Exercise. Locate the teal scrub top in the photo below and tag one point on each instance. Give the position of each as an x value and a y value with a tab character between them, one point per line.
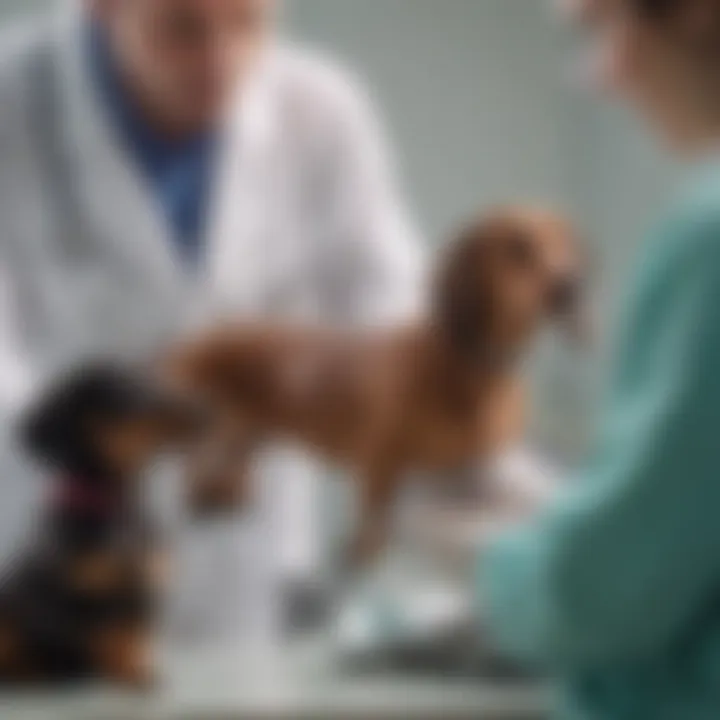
617	588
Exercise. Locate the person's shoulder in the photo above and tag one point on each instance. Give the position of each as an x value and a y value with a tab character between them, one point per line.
682	249
322	85
21	43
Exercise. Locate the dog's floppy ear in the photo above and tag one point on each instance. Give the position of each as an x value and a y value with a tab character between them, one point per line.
462	309
50	430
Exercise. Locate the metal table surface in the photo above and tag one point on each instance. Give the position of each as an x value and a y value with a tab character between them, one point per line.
301	684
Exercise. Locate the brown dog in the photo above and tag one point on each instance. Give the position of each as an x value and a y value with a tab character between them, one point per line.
435	396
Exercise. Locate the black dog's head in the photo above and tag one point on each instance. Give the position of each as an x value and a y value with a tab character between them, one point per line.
106	421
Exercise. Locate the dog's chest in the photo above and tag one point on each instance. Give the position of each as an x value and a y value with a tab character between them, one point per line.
442	442
125	532
447	433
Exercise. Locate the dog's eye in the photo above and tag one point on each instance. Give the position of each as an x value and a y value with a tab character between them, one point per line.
521	251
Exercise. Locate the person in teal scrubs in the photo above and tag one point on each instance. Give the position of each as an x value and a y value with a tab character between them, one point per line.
616	588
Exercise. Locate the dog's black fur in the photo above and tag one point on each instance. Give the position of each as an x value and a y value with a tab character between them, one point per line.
78	602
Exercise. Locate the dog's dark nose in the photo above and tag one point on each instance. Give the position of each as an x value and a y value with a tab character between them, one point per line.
564	294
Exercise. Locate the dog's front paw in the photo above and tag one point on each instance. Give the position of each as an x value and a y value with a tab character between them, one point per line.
124	658
142	678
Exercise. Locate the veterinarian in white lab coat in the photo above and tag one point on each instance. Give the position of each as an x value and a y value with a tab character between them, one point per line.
164	162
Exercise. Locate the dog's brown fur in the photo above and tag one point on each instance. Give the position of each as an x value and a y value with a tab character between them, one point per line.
435	396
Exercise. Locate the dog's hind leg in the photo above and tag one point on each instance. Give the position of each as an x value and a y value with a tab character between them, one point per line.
378	487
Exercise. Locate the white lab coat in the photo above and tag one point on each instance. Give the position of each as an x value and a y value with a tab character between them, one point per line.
305	220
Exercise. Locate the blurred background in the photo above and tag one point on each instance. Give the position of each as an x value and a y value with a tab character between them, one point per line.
482	107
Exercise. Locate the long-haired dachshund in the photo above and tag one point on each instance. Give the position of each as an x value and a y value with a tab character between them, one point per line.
77	603
435	396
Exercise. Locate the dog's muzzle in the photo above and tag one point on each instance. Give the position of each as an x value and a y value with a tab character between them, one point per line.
567	304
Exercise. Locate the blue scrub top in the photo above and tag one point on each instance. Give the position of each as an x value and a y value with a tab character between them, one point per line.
179	171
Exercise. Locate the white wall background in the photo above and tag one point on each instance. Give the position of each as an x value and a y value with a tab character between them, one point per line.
475	99
469	89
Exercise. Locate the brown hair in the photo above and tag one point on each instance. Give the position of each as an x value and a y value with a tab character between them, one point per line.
655	8
661	9
702	30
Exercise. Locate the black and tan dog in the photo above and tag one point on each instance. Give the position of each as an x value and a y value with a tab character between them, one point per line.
78	602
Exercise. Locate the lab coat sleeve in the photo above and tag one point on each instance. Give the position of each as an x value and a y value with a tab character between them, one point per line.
16	377
627	558
17	491
376	265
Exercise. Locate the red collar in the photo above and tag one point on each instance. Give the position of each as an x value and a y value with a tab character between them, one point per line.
78	495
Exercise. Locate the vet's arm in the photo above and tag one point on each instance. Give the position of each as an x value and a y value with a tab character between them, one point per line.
16	377
17	381
374	264
625	562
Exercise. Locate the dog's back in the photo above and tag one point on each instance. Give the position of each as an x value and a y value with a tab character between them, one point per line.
344	393
327	388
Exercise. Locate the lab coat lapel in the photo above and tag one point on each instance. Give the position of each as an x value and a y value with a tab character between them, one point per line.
119	210
129	224
238	237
